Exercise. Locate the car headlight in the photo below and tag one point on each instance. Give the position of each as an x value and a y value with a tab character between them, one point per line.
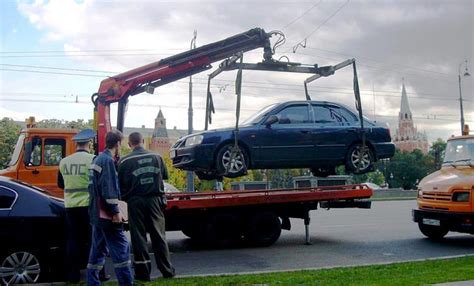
193	140
461	197
420	193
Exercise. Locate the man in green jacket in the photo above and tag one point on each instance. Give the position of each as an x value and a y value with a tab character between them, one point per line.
141	175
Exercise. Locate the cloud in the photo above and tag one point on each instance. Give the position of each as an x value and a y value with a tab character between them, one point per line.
421	41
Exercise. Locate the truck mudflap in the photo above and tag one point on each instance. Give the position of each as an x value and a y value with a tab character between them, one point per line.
459	222
361	204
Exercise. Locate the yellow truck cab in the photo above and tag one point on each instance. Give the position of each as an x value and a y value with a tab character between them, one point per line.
36	157
445	197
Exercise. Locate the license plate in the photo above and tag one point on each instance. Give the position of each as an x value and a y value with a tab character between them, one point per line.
172	154
430	221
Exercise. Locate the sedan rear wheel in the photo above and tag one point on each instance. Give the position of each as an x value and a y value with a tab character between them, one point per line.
359	160
20	267
232	163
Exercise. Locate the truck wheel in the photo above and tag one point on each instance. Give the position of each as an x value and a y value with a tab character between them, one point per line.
222	230
193	231
433	232
359	161
231	168
263	228
20	267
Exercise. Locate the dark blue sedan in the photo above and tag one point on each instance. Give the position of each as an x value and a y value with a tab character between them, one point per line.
31	234
318	135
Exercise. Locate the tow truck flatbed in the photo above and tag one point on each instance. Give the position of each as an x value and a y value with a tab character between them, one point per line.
222	219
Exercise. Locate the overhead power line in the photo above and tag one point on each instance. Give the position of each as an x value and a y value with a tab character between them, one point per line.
320	25
199	108
111	73
302	15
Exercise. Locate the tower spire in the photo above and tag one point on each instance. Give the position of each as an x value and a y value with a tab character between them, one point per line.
405	112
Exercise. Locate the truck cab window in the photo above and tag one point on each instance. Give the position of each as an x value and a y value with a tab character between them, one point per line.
36	150
54	151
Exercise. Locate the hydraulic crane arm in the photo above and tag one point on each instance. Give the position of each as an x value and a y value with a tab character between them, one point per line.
118	88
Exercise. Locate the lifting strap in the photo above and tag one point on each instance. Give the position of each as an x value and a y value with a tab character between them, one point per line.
358	105
235	151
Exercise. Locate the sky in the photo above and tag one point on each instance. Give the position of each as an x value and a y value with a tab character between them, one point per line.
54	54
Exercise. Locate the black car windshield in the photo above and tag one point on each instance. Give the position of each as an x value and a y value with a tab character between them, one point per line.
257	117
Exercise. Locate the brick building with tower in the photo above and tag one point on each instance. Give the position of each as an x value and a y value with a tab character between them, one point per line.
160	142
407	137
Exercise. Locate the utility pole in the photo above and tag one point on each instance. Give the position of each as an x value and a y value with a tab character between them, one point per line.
466	74
190	174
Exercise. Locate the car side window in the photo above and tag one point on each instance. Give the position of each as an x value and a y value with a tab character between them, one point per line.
54	151
324	115
294	115
344	116
36	150
7	198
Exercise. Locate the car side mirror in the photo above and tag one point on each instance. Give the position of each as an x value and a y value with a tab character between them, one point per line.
27	153
271	120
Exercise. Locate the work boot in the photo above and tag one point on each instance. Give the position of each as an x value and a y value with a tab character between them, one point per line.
170	275
103	276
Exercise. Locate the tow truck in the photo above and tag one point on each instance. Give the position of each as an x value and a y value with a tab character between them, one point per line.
446	197
219	218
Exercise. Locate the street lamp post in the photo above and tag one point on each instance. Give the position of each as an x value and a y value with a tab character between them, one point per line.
190	174
466	74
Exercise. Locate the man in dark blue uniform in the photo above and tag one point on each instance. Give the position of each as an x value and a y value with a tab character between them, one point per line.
105	216
141	175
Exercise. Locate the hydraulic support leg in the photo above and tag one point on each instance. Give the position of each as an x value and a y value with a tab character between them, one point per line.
307	220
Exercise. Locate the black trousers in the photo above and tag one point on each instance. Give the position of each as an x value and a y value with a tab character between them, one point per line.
145	215
78	237
78	242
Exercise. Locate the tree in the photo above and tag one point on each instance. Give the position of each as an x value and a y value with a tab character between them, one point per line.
437	151
408	168
79	124
9	131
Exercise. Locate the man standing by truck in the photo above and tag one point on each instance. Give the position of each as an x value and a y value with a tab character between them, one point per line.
106	217
141	175
73	177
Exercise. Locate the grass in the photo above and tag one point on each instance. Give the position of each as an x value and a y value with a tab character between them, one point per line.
409	273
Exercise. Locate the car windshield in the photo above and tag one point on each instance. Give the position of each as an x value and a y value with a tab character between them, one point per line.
257	117
459	152
16	152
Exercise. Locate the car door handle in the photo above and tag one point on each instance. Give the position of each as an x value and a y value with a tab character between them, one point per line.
352	130
35	172
304	131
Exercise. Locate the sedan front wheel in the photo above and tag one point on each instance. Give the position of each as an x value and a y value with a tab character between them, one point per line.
232	161
20	268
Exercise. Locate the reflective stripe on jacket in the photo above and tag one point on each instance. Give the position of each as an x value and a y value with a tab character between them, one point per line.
141	173
75	172
103	189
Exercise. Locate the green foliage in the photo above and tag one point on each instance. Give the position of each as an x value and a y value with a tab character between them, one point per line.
437	151
176	177
408	168
79	124
376	177
9	131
